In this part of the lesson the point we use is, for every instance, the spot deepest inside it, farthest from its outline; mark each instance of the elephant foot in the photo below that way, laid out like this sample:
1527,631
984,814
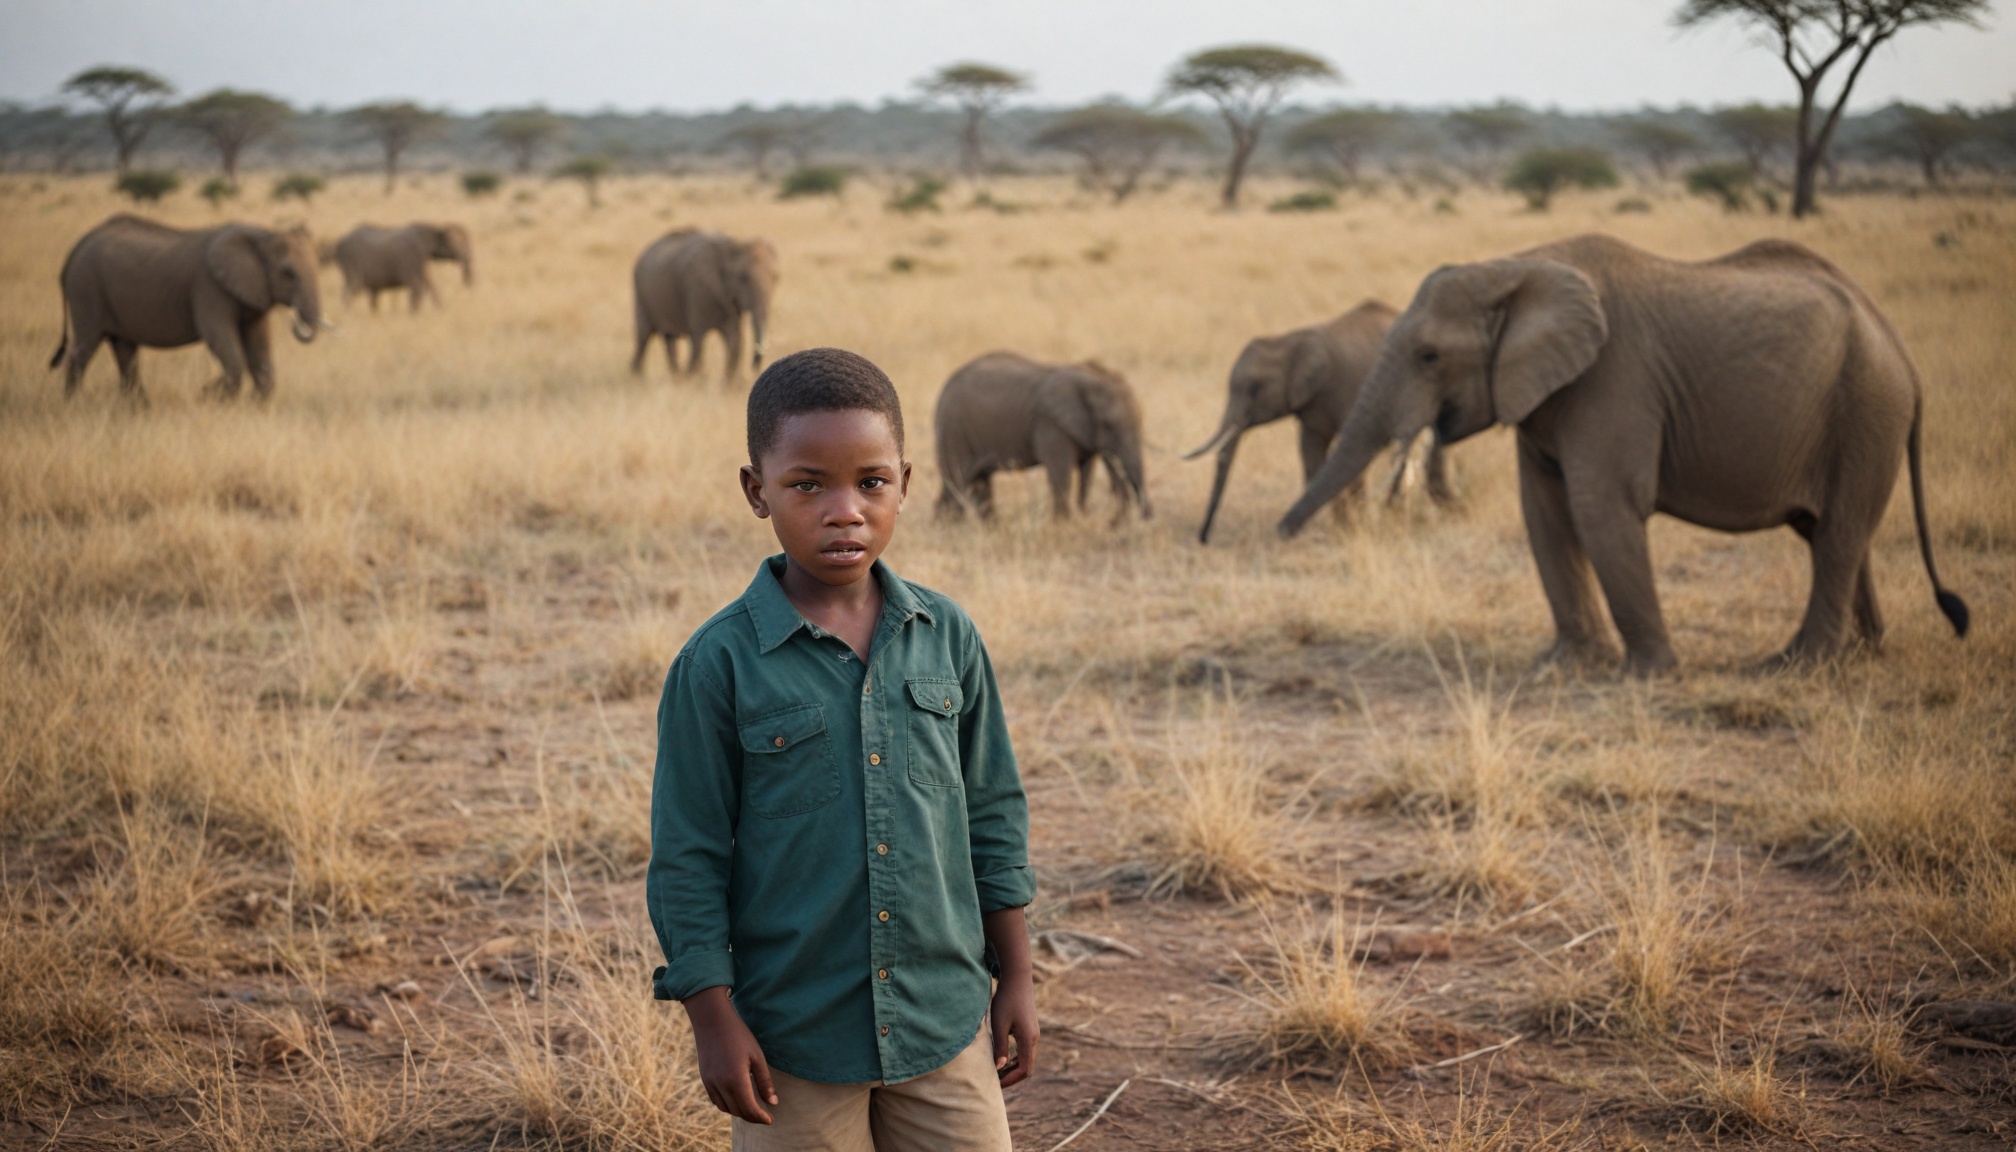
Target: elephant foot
1567,655
1804,657
1648,665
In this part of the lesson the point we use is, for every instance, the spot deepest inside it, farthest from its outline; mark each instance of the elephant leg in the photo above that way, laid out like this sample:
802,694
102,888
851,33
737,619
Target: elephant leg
1612,531
373,294
637,354
127,353
693,342
951,501
1841,582
83,346
220,334
1315,447
1085,480
258,341
1565,573
1058,454
981,491
731,340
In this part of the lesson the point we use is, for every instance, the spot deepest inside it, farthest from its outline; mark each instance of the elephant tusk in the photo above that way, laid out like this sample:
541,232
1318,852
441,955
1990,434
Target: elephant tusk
1217,438
326,326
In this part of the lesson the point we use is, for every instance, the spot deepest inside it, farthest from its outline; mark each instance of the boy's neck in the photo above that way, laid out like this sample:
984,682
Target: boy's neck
849,611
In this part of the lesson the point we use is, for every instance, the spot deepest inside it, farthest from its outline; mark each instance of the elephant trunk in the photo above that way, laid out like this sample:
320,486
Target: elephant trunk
759,318
1226,450
1362,439
308,315
1137,479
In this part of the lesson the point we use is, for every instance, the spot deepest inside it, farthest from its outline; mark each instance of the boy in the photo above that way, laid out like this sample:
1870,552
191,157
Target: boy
838,832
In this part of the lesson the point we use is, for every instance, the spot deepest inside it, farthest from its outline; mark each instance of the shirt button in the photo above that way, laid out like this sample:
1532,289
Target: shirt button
885,1029
948,703
881,849
874,758
779,741
865,685
883,915
882,973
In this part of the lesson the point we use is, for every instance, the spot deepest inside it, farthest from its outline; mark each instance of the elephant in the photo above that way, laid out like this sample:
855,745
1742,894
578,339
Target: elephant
375,259
136,283
1005,411
1312,374
1757,389
689,283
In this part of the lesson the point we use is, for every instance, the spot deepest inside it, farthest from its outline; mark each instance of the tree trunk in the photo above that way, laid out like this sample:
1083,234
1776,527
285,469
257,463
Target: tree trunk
1243,141
970,158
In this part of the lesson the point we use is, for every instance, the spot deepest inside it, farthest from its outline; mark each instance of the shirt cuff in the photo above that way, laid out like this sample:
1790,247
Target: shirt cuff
1011,887
692,973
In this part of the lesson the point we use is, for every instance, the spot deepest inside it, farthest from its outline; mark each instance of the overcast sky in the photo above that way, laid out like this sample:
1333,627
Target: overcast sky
578,55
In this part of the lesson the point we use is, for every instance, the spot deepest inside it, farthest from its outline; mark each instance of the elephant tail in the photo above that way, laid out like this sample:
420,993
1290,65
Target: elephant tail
63,343
1949,602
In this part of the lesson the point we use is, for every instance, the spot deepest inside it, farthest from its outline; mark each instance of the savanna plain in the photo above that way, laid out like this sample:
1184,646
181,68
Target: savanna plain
326,725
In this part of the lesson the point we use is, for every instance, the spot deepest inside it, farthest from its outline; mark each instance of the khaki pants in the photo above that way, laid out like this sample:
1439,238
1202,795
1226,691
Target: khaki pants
958,1107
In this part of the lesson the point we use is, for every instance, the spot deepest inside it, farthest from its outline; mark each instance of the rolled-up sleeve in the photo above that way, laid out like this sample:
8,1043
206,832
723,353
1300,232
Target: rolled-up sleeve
997,812
694,803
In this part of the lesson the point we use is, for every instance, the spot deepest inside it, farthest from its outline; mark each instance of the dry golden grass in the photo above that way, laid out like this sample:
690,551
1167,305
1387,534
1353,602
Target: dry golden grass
217,623
1311,1001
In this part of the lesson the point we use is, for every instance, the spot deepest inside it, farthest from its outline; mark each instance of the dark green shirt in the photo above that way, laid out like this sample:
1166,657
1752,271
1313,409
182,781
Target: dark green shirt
825,837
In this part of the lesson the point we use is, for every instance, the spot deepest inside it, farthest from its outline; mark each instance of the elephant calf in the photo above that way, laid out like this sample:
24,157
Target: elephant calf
375,260
1312,374
1758,389
689,283
134,283
1005,411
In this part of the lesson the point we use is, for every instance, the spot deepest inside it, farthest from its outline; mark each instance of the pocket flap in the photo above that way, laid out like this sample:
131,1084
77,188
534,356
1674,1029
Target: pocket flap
940,696
780,730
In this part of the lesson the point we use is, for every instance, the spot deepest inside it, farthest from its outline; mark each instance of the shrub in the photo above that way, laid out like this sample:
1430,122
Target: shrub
481,182
813,180
1728,182
300,186
1312,200
589,170
1541,172
217,190
921,196
147,184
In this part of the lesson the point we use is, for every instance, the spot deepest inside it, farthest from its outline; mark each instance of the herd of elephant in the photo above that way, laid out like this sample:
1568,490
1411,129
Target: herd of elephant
1755,390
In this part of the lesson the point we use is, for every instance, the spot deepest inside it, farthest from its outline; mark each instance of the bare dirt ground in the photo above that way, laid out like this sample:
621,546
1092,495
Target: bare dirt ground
328,726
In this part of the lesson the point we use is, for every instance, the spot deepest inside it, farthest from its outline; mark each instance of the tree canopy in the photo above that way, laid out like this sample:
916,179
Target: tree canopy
131,100
1660,142
762,137
1811,37
1118,144
1758,131
1246,82
589,170
232,119
976,89
522,132
1926,137
1484,133
1540,173
396,126
1343,137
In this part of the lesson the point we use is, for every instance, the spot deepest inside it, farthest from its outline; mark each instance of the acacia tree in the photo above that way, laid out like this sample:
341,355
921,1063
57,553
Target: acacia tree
1811,37
795,136
522,132
1343,137
233,119
1758,131
978,89
131,100
396,126
1659,142
1926,138
1484,135
1247,82
1117,144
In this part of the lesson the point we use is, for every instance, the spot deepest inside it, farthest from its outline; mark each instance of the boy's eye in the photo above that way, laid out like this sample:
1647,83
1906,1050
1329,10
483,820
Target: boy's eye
806,486
874,482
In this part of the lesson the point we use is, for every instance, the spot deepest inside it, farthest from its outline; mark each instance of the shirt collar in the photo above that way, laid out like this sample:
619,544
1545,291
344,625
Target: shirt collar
776,618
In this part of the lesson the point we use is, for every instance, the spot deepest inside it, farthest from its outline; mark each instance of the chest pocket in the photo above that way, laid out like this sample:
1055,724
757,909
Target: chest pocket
787,763
934,731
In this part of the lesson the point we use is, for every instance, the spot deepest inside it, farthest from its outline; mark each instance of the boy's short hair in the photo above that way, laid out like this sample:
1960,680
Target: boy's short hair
818,380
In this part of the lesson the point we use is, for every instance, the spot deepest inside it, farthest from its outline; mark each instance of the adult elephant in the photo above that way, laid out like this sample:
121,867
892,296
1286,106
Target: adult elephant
1758,389
134,283
1004,411
689,283
1312,374
375,259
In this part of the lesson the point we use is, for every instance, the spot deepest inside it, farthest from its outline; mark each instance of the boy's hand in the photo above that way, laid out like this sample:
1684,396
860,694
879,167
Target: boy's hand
1014,1010
731,1062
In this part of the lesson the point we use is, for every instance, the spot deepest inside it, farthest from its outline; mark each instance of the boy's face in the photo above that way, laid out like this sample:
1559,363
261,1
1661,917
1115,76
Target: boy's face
831,484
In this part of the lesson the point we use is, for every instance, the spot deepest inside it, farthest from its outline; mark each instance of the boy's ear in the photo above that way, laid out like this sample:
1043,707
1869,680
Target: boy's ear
903,487
752,491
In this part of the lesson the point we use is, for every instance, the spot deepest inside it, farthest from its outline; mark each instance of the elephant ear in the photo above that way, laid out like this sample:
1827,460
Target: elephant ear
1551,330
240,261
1308,364
1060,399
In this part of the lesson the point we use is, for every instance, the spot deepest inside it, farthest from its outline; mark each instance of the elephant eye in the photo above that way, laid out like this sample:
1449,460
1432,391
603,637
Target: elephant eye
1430,355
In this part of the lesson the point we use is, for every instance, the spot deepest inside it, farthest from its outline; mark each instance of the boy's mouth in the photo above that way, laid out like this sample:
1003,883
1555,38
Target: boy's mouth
844,552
